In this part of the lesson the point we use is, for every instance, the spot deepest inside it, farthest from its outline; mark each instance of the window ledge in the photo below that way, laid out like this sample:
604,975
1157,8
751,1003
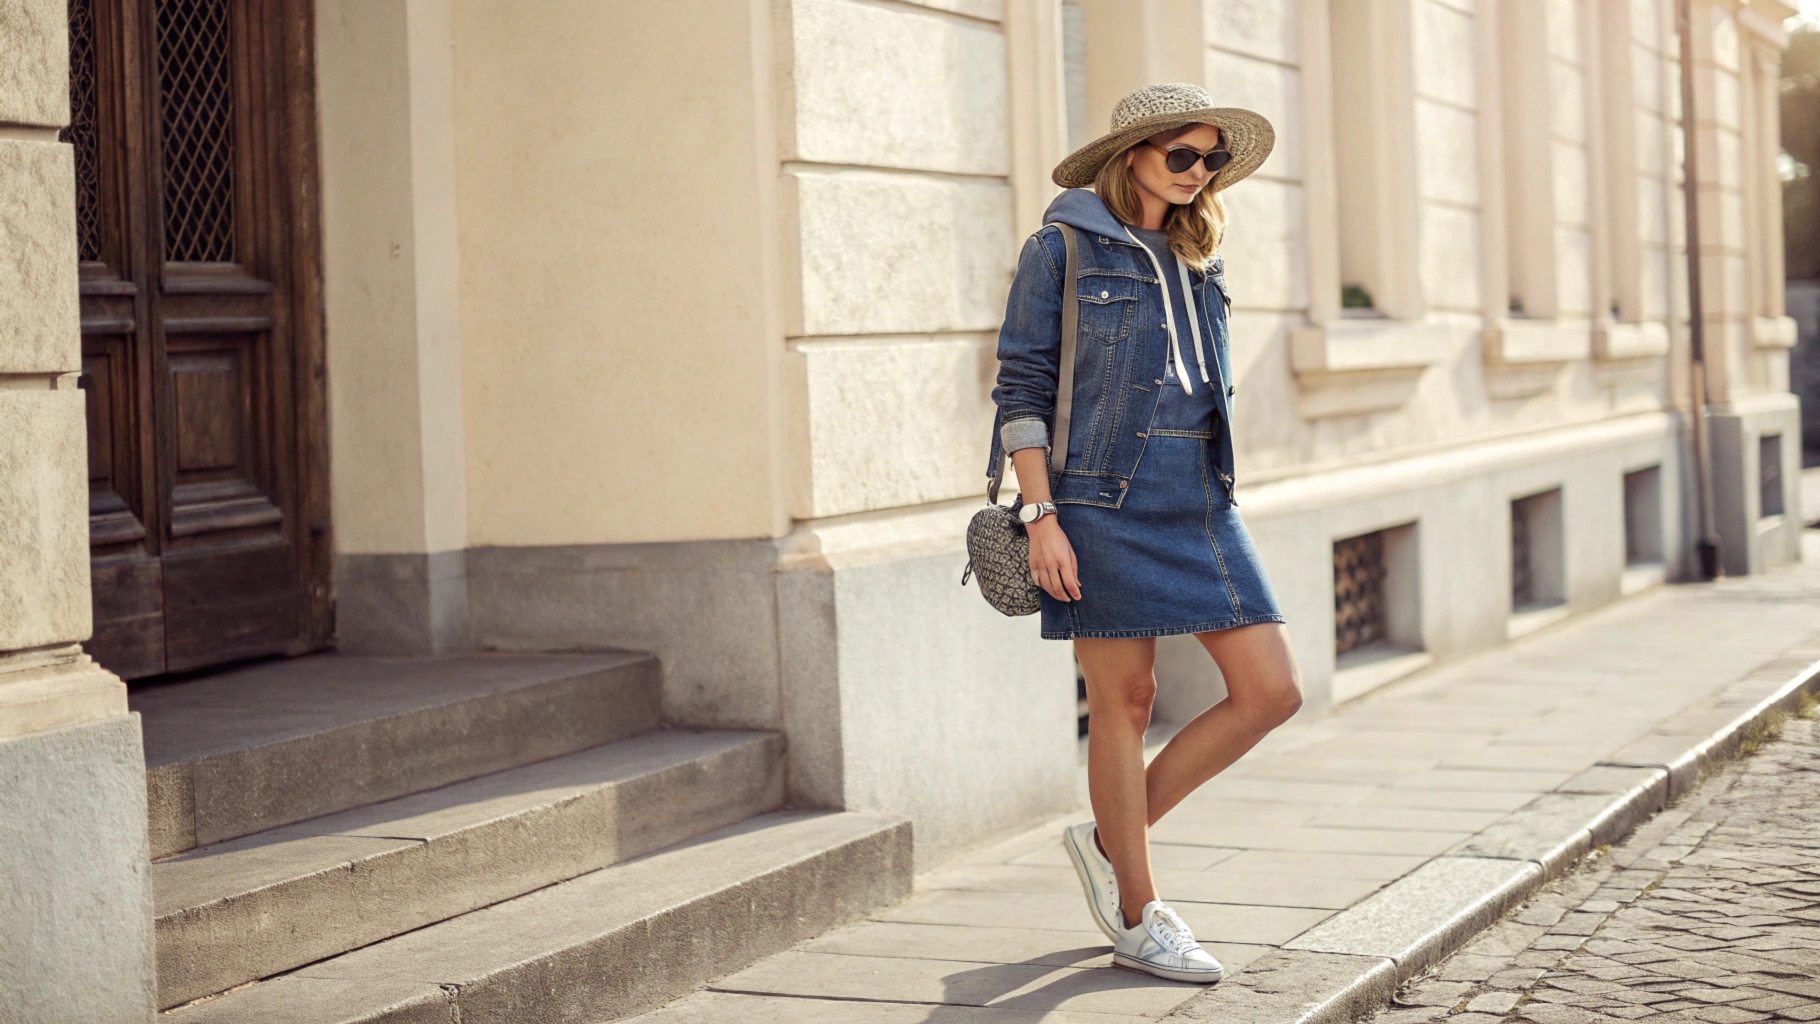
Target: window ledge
1357,365
1774,332
1529,342
1353,344
1613,341
1358,672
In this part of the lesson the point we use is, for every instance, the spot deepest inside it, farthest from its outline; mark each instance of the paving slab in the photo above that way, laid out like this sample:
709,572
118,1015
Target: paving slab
1349,852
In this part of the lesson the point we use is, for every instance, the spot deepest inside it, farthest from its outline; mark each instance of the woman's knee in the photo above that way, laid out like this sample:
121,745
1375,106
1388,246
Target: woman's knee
1130,699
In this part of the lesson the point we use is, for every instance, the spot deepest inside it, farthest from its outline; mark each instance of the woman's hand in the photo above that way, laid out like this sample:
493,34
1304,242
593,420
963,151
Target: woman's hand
1052,563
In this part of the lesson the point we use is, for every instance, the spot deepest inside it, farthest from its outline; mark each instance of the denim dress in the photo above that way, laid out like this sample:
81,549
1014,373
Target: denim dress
1174,557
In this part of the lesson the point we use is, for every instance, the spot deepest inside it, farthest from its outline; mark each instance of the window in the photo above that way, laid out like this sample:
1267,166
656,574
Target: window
1529,171
1643,517
1377,632
1374,143
1769,475
1538,575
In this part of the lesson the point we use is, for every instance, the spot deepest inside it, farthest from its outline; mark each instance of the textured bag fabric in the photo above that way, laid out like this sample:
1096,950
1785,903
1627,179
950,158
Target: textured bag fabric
998,555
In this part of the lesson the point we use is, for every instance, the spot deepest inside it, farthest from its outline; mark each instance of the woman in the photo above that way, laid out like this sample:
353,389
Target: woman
1140,538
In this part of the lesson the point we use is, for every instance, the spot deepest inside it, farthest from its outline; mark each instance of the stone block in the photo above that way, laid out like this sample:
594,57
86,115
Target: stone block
890,87
402,604
1563,19
44,582
1447,154
1271,89
1652,211
77,902
1266,260
1450,257
1572,187
1262,28
34,66
903,714
1573,273
645,597
882,253
1298,985
892,421
1426,914
987,10
39,325
1445,38
1567,94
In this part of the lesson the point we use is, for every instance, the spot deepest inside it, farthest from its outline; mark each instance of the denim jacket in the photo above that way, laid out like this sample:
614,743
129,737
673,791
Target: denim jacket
1121,350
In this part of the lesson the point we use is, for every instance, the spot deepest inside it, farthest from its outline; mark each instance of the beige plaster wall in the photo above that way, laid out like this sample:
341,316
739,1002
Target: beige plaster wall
622,349
385,90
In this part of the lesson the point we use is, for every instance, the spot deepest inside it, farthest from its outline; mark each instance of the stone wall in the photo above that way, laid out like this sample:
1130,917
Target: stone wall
77,939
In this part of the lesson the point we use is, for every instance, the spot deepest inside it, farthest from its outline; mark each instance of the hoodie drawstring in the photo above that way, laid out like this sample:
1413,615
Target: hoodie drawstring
1175,345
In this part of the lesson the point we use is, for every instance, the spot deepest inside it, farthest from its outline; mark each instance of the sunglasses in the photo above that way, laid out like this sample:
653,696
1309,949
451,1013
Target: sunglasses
1182,158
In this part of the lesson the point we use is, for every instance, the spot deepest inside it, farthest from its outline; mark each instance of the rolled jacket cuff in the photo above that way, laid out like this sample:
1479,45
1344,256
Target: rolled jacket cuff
1029,432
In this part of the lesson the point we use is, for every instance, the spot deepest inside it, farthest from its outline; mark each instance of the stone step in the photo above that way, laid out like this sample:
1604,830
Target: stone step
252,907
254,748
607,944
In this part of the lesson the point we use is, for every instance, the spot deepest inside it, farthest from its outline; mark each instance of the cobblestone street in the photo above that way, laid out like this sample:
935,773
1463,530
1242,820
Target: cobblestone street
1709,912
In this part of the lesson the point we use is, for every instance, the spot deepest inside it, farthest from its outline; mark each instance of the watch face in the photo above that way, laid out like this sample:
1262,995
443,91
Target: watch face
1029,513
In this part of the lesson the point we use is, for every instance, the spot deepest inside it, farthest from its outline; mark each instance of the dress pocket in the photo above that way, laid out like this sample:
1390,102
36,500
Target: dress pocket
1108,305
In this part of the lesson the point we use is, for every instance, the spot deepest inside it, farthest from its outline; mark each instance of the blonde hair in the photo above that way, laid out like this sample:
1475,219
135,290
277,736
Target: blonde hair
1194,228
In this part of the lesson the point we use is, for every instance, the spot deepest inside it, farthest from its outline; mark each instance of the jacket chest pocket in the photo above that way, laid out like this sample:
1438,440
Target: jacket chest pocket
1108,305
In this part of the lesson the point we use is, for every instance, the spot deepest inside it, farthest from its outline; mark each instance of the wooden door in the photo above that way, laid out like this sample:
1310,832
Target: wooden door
194,129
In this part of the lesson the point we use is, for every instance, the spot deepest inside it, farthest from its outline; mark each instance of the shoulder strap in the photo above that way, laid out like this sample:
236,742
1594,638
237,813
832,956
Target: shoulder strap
1064,383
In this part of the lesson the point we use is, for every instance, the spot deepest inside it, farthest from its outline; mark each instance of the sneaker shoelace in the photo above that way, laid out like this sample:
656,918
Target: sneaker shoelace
1171,932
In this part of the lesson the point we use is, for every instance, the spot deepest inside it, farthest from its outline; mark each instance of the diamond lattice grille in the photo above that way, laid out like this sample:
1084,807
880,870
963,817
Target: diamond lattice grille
81,131
1358,591
196,114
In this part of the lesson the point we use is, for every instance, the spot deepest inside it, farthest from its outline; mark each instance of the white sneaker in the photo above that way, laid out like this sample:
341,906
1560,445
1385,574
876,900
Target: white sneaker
1096,878
1162,945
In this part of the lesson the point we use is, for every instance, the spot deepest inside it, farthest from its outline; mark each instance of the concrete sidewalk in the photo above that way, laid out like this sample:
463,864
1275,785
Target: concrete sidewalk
1348,852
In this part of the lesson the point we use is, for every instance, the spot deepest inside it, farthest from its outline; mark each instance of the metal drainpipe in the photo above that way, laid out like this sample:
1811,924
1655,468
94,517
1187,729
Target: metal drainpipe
1706,549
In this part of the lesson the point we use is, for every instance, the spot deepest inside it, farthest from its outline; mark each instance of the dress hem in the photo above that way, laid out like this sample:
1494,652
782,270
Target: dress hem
1138,634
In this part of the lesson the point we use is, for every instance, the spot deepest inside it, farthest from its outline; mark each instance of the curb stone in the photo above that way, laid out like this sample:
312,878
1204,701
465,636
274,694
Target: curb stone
1349,966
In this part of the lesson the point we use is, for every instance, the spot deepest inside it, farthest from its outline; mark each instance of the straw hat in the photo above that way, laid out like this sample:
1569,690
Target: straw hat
1158,108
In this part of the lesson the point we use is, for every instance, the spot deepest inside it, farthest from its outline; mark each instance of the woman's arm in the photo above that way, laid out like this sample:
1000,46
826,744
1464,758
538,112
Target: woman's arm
1052,562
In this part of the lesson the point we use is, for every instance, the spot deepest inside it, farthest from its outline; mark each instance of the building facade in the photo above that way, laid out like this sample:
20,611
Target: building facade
423,327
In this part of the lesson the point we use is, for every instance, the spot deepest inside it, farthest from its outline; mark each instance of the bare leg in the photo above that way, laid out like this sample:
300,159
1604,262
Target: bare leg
1263,690
1120,689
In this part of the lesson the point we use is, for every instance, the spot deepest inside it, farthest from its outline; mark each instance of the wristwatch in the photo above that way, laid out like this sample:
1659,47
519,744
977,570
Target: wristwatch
1035,510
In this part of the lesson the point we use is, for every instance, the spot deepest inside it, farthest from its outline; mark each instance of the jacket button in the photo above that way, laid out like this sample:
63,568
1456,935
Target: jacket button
1159,382
1105,295
1143,435
1122,485
1164,325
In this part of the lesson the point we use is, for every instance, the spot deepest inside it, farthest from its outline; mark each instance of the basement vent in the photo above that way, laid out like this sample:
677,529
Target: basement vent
1522,580
1358,591
1769,475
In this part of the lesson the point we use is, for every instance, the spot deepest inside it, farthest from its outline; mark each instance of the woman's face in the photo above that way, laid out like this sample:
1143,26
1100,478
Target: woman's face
1146,162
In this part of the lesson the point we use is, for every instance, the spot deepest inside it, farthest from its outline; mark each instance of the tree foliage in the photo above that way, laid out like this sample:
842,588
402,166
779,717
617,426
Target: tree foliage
1801,141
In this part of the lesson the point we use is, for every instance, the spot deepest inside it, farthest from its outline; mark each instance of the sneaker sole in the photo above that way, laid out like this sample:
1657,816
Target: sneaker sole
1131,963
1078,859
